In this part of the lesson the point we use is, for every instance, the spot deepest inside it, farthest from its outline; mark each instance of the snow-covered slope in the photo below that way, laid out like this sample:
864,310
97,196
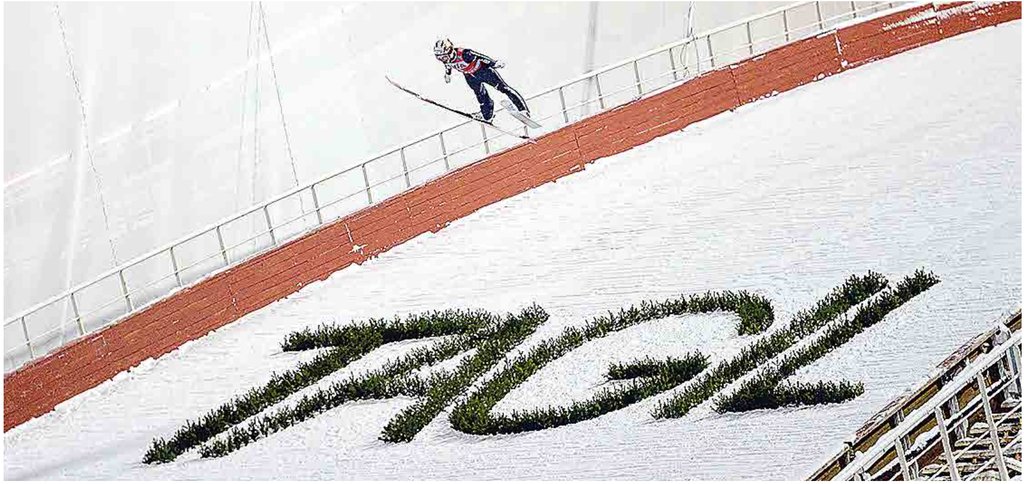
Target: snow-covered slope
911,162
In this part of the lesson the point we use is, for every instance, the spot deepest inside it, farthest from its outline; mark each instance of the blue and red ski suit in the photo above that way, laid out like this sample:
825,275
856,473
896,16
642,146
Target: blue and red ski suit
479,70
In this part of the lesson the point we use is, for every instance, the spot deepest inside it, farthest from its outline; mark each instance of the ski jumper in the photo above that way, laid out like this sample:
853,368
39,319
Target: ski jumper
479,70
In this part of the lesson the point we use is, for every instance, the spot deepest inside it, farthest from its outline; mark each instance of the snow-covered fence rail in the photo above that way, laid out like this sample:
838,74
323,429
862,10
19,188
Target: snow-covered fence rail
992,382
97,303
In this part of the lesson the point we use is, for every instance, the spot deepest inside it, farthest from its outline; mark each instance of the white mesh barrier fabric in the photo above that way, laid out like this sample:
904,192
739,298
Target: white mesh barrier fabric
186,127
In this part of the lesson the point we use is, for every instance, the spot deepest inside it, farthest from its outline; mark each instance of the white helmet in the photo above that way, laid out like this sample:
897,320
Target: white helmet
444,50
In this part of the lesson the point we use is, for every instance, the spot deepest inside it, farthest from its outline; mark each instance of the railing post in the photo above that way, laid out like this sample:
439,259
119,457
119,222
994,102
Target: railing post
174,265
750,39
405,167
483,134
78,314
316,205
902,443
853,9
124,290
270,225
1013,358
817,8
993,432
947,448
696,55
636,75
672,61
565,112
220,240
28,342
711,54
600,96
785,24
366,182
915,467
444,152
901,453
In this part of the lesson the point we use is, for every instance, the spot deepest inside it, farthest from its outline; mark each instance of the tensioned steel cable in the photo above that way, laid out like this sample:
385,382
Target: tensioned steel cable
85,130
241,125
280,106
689,34
256,136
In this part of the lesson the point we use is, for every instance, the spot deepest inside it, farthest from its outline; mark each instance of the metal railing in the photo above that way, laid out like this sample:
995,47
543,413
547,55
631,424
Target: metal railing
893,414
92,305
930,431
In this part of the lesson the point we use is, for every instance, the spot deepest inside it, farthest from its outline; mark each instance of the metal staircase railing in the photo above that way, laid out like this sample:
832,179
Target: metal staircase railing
969,430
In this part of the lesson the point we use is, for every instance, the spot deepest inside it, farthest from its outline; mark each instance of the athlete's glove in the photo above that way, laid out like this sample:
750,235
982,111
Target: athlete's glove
447,78
498,64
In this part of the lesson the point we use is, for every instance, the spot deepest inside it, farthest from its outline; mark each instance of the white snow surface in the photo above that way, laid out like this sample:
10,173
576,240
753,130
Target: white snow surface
910,162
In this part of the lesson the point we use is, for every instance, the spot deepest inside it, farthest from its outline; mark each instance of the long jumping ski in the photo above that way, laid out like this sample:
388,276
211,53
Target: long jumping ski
460,113
515,113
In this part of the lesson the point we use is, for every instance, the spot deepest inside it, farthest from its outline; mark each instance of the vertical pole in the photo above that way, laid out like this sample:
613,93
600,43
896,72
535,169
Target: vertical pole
993,432
28,342
636,75
174,264
270,227
316,205
444,152
915,467
1013,358
947,448
711,54
220,240
588,56
600,96
366,182
750,39
672,61
817,8
483,134
565,112
901,453
853,9
785,24
405,167
124,290
78,315
901,448
696,54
